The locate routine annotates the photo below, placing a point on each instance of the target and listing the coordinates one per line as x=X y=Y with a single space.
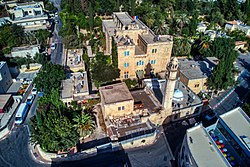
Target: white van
x=21 y=113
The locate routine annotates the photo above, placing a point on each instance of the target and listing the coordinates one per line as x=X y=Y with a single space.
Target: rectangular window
x=125 y=75
x=123 y=107
x=140 y=63
x=154 y=50
x=152 y=61
x=196 y=85
x=119 y=108
x=126 y=64
x=126 y=53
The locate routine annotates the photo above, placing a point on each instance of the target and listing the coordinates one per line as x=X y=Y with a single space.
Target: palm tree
x=182 y=20
x=84 y=124
x=161 y=28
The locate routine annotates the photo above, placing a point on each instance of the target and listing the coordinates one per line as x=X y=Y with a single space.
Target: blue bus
x=21 y=113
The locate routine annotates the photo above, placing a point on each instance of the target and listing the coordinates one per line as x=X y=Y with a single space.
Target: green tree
x=40 y=58
x=132 y=7
x=114 y=54
x=84 y=124
x=222 y=75
x=102 y=73
x=181 y=47
x=182 y=20
x=91 y=15
x=49 y=6
x=51 y=119
x=130 y=83
x=49 y=77
x=42 y=36
x=246 y=108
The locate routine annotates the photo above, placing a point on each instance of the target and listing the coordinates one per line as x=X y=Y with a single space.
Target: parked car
x=30 y=99
x=56 y=21
x=56 y=14
x=34 y=91
x=53 y=46
x=210 y=115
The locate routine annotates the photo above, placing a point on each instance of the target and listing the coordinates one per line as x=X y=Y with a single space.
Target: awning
x=139 y=74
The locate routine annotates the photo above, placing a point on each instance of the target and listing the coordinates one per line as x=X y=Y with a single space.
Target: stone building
x=75 y=87
x=116 y=100
x=130 y=114
x=194 y=74
x=140 y=51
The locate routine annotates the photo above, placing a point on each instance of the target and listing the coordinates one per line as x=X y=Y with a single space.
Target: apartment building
x=30 y=15
x=140 y=51
x=225 y=143
x=5 y=77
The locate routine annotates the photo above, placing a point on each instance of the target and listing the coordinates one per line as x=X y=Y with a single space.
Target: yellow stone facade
x=196 y=85
x=118 y=109
x=139 y=49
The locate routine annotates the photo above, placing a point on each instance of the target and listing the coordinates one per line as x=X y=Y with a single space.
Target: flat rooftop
x=115 y=93
x=126 y=19
x=27 y=18
x=74 y=59
x=146 y=99
x=183 y=97
x=14 y=87
x=4 y=99
x=203 y=149
x=76 y=83
x=195 y=69
x=151 y=38
x=110 y=26
x=27 y=75
x=22 y=48
x=239 y=124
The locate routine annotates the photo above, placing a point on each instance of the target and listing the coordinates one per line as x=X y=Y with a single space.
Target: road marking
x=27 y=129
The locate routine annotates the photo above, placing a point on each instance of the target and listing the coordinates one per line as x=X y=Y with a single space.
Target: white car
x=56 y=14
x=30 y=99
x=34 y=91
x=53 y=46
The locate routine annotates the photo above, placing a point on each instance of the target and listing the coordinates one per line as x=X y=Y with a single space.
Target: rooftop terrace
x=75 y=84
x=74 y=60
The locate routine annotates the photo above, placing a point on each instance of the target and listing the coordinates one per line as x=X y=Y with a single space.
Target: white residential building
x=30 y=15
x=25 y=51
x=225 y=143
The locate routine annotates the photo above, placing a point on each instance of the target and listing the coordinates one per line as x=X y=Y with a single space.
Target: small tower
x=171 y=80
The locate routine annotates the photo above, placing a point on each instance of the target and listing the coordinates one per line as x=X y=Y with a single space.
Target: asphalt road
x=14 y=150
x=56 y=54
x=156 y=155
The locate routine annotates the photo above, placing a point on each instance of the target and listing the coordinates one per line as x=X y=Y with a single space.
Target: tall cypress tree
x=91 y=15
x=222 y=75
